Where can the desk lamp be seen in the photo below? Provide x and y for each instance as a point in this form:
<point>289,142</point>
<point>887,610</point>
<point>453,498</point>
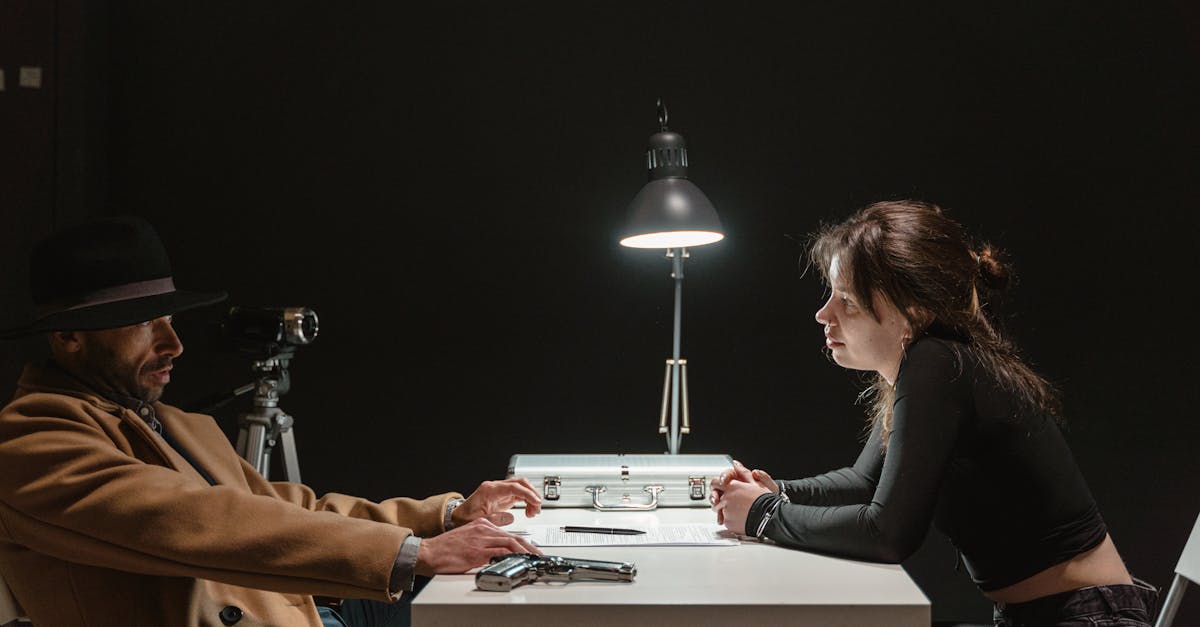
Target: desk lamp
<point>671,212</point>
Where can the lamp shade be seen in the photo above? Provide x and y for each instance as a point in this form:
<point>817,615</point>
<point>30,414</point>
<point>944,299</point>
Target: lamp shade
<point>670,211</point>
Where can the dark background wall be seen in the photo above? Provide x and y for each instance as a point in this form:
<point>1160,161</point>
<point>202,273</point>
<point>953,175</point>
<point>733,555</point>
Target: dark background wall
<point>445,184</point>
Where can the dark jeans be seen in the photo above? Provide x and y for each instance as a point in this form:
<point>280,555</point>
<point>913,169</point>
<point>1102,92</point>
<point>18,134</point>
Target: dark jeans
<point>1099,606</point>
<point>364,613</point>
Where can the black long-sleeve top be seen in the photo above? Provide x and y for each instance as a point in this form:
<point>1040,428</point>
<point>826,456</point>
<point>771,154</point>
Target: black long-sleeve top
<point>999,481</point>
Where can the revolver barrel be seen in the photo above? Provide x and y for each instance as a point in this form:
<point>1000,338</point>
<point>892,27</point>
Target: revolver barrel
<point>599,569</point>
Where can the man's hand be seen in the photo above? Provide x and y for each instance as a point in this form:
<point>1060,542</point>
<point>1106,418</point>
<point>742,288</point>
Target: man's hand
<point>493,499</point>
<point>466,547</point>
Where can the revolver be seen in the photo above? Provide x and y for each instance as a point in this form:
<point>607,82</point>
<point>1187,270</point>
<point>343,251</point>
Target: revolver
<point>506,572</point>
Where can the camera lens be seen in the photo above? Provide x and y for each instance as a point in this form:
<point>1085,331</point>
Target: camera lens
<point>299,325</point>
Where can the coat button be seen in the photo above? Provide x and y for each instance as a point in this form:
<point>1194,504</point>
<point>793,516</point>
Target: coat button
<point>231,614</point>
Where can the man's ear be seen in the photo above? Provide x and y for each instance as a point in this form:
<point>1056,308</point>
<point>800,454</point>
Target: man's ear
<point>66,341</point>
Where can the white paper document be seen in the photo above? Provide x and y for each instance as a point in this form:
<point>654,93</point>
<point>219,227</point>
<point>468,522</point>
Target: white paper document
<point>695,534</point>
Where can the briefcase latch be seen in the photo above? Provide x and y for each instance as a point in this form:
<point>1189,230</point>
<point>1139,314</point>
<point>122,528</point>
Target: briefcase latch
<point>696,488</point>
<point>550,488</point>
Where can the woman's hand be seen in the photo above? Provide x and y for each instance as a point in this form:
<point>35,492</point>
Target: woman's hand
<point>754,482</point>
<point>765,480</point>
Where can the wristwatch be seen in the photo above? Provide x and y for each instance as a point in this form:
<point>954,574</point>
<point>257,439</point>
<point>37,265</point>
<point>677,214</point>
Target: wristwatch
<point>451,505</point>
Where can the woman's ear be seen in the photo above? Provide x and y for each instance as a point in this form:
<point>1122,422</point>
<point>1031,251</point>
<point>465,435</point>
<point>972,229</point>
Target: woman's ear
<point>920,318</point>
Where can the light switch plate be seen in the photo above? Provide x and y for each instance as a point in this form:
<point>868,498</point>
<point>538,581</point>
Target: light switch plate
<point>30,77</point>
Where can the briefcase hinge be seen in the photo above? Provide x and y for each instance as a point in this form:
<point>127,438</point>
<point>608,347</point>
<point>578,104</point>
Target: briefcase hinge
<point>696,488</point>
<point>550,488</point>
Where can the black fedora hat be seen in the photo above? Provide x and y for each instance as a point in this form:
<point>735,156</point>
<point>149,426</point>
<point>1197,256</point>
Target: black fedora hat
<point>107,273</point>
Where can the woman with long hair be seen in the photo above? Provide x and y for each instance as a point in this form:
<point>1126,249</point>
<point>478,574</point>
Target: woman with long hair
<point>963,433</point>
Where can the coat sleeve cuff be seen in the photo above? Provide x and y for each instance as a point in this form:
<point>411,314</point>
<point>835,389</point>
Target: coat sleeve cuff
<point>404,567</point>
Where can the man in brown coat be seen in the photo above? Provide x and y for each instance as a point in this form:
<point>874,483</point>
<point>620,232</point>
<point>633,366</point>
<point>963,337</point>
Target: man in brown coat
<point>117,509</point>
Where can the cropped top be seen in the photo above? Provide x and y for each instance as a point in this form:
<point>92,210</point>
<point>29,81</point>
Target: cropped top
<point>964,453</point>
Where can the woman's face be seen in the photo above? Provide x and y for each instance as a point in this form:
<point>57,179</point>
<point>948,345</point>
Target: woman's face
<point>854,337</point>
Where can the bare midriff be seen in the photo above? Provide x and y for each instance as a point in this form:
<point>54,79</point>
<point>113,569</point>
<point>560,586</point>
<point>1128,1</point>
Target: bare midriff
<point>1101,566</point>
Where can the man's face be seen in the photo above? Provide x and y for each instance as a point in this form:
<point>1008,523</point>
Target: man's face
<point>133,360</point>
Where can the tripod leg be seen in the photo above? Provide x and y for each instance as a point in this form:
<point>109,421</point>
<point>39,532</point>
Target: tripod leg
<point>266,460</point>
<point>291,465</point>
<point>252,446</point>
<point>241,443</point>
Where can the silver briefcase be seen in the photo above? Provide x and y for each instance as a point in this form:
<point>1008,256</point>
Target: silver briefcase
<point>620,482</point>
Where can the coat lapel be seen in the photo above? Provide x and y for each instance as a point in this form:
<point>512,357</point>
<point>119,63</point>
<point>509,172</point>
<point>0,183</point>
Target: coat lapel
<point>205,442</point>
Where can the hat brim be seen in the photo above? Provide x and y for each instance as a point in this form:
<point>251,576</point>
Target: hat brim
<point>116,314</point>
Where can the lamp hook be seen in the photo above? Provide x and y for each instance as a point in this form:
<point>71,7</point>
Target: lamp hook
<point>662,115</point>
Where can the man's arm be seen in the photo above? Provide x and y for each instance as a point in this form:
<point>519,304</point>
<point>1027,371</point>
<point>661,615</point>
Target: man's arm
<point>425,517</point>
<point>71,488</point>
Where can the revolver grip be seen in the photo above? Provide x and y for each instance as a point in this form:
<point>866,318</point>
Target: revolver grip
<point>507,572</point>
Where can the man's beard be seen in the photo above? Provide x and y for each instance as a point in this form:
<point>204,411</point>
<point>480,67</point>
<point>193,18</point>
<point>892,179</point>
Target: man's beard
<point>106,366</point>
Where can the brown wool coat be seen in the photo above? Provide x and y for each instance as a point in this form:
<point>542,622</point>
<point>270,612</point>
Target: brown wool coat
<point>103,523</point>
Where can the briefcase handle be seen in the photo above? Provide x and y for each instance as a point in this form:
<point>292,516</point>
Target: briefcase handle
<point>597,490</point>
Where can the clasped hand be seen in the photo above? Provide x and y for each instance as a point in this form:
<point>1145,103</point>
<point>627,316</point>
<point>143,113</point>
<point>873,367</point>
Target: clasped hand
<point>734,491</point>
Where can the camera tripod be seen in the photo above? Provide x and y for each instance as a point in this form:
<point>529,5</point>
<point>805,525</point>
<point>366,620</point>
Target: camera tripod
<point>266,426</point>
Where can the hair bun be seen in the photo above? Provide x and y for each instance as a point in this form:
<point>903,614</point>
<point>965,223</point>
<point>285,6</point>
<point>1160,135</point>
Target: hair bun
<point>993,270</point>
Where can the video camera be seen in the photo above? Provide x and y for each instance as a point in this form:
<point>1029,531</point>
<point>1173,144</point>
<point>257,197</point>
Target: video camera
<point>266,332</point>
<point>269,335</point>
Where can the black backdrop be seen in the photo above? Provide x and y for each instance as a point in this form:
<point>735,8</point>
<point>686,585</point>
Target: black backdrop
<point>444,186</point>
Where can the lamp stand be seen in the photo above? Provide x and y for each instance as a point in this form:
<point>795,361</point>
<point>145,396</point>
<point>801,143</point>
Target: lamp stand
<point>675,379</point>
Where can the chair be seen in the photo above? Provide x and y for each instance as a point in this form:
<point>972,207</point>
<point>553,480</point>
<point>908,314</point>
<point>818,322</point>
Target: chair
<point>10,610</point>
<point>1187,571</point>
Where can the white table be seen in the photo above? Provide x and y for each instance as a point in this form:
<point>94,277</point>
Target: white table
<point>748,584</point>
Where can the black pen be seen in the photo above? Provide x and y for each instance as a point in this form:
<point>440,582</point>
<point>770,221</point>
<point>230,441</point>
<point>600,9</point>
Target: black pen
<point>608,530</point>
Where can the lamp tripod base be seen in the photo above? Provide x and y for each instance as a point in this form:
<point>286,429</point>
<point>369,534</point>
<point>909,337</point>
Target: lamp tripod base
<point>674,439</point>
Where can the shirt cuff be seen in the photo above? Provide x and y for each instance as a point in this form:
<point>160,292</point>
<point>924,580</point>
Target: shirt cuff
<point>451,505</point>
<point>404,567</point>
<point>761,512</point>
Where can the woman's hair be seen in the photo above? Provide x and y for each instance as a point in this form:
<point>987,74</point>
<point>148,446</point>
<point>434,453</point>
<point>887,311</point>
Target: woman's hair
<point>912,254</point>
